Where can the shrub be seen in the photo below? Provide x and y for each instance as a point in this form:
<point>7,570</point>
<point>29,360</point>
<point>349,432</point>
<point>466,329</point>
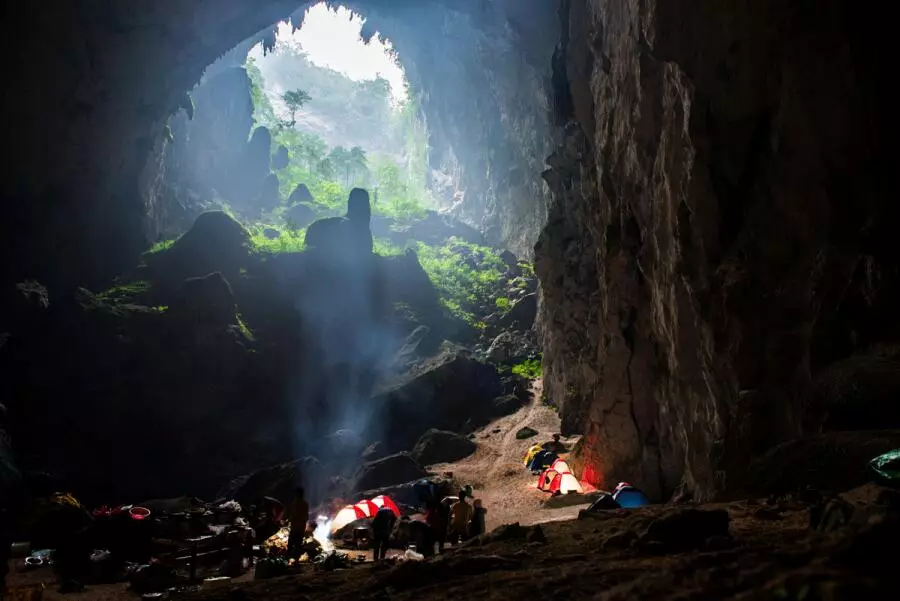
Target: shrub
<point>530,368</point>
<point>466,275</point>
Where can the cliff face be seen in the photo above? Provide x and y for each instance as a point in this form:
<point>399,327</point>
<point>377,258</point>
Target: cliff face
<point>716,199</point>
<point>485,94</point>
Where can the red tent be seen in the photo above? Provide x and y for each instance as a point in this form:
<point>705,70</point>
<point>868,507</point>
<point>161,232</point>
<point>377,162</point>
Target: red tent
<point>367,508</point>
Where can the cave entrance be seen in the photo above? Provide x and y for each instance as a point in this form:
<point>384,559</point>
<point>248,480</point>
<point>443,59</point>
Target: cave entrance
<point>280,130</point>
<point>342,113</point>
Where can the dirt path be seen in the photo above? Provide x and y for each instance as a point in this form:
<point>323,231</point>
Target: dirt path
<point>508,491</point>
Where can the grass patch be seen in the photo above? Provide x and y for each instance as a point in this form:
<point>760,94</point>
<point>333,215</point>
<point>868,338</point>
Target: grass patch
<point>124,293</point>
<point>530,368</point>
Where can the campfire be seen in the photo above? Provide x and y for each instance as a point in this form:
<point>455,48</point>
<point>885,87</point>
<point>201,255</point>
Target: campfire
<point>322,533</point>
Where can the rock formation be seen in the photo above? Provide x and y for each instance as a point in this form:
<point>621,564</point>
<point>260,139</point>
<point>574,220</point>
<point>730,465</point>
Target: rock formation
<point>716,192</point>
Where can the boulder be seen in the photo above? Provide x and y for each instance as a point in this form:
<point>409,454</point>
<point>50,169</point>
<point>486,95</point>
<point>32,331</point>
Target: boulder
<point>376,450</point>
<point>443,392</point>
<point>685,529</point>
<point>206,301</point>
<point>509,258</point>
<point>300,194</point>
<point>281,158</point>
<point>215,242</point>
<point>860,392</point>
<point>435,229</point>
<point>422,342</point>
<point>441,446</point>
<point>505,405</point>
<point>388,471</point>
<point>526,433</point>
<point>279,481</point>
<point>268,197</point>
<point>299,216</point>
<point>831,462</point>
<point>510,347</point>
<point>522,314</point>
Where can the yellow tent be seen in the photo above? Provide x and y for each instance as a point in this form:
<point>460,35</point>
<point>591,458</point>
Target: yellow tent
<point>531,453</point>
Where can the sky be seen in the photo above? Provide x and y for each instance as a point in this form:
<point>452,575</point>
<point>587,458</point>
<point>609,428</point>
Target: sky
<point>332,40</point>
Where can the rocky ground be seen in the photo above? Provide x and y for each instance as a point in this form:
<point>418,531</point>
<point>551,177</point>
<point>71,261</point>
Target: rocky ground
<point>742,550</point>
<point>786,546</point>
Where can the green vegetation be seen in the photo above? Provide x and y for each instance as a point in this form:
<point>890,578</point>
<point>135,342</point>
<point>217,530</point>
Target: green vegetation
<point>244,328</point>
<point>289,240</point>
<point>503,304</point>
<point>530,368</point>
<point>294,99</point>
<point>394,163</point>
<point>160,246</point>
<point>467,276</point>
<point>123,293</point>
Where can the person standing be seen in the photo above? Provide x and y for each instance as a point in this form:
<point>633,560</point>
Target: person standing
<point>299,521</point>
<point>436,517</point>
<point>476,526</point>
<point>382,526</point>
<point>460,516</point>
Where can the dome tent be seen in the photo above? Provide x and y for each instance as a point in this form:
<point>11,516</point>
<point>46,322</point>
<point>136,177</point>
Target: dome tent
<point>554,482</point>
<point>367,508</point>
<point>629,497</point>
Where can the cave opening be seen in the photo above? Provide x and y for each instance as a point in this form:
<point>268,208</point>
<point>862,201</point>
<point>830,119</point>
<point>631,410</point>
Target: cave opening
<point>221,306</point>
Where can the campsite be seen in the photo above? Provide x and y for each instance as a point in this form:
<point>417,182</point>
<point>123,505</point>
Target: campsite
<point>543,521</point>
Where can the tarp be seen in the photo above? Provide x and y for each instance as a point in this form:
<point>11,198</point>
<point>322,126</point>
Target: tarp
<point>603,502</point>
<point>530,453</point>
<point>367,508</point>
<point>542,460</point>
<point>887,468</point>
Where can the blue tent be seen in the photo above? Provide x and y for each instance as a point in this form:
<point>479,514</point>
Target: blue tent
<point>630,497</point>
<point>426,491</point>
<point>542,460</point>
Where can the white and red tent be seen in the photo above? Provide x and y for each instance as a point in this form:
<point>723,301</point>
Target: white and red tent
<point>559,478</point>
<point>367,508</point>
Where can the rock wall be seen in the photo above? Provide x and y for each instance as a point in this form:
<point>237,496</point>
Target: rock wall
<point>719,187</point>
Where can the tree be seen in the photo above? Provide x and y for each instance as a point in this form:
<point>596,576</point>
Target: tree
<point>340,158</point>
<point>295,99</point>
<point>356,159</point>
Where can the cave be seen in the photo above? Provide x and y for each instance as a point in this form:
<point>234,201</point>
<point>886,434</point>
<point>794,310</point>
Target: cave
<point>703,189</point>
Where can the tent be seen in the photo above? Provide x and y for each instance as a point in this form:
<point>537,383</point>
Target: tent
<point>553,481</point>
<point>629,497</point>
<point>367,508</point>
<point>560,466</point>
<point>529,455</point>
<point>542,460</point>
<point>426,490</point>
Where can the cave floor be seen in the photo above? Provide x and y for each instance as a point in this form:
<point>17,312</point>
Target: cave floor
<point>767,550</point>
<point>495,470</point>
<point>774,555</point>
